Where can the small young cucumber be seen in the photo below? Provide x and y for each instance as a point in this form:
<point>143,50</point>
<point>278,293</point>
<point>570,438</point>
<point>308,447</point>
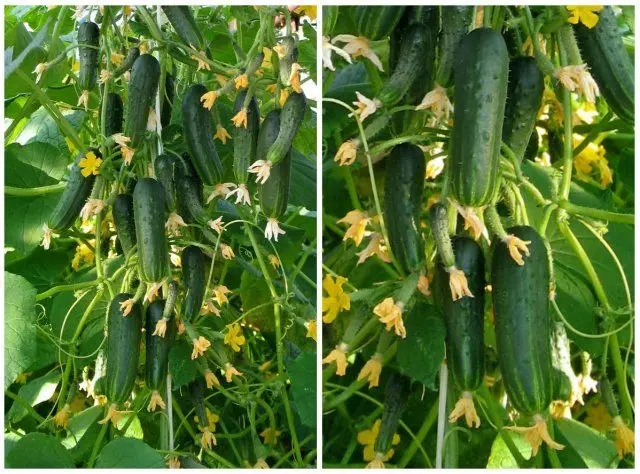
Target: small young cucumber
<point>439,225</point>
<point>157,347</point>
<point>184,24</point>
<point>124,221</point>
<point>88,54</point>
<point>403,189</point>
<point>124,334</point>
<point>141,95</point>
<point>115,114</point>
<point>481,74</point>
<point>245,139</point>
<point>376,22</point>
<point>286,61</point>
<point>149,215</point>
<point>396,395</point>
<point>197,126</point>
<point>193,280</point>
<point>274,194</point>
<point>127,62</point>
<point>291,118</point>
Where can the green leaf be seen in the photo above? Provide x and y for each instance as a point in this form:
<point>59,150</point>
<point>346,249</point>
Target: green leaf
<point>83,432</point>
<point>134,430</point>
<point>38,451</point>
<point>42,128</point>
<point>255,297</point>
<point>183,370</point>
<point>42,277</point>
<point>129,453</point>
<point>422,351</point>
<point>19,326</point>
<point>588,445</point>
<point>501,457</point>
<point>34,392</point>
<point>303,180</point>
<point>302,372</point>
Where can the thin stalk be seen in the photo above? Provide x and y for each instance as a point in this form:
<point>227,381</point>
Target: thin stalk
<point>40,191</point>
<point>596,213</point>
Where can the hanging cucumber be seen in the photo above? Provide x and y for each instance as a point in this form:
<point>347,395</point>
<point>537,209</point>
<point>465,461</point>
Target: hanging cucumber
<point>88,55</point>
<point>245,139</point>
<point>149,215</point>
<point>124,221</point>
<point>289,56</point>
<point>377,22</point>
<point>198,133</point>
<point>524,97</point>
<point>189,199</point>
<point>481,74</point>
<point>396,395</point>
<point>274,194</point>
<point>194,281</point>
<point>184,24</point>
<point>456,21</point>
<point>157,351</point>
<point>141,96</point>
<point>291,118</point>
<point>403,189</point>
<point>127,62</point>
<point>114,115</point>
<point>164,167</point>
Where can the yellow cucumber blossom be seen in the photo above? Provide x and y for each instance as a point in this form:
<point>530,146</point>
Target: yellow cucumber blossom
<point>274,261</point>
<point>272,229</point>
<point>371,370</point>
<point>270,436</point>
<point>220,189</point>
<point>336,299</point>
<point>112,415</point>
<point>209,307</point>
<point>234,337</point>
<point>127,152</point>
<point>537,434</point>
<point>365,106</point>
<point>284,95</point>
<point>155,401</point>
<point>220,293</point>
<point>262,170</point>
<point>390,314</point>
<point>458,284</point>
<point>241,82</point>
<point>367,438</point>
<point>173,462</point>
<point>465,407</point>
<point>200,57</point>
<point>216,225</point>
<point>347,152</point>
<point>339,356</point>
<point>312,329</point>
<point>40,69</point>
<point>61,419</point>
<point>438,102</point>
<point>152,291</point>
<point>90,164</point>
<point>328,49</point>
<point>161,328</point>
<point>116,59</point>
<point>211,379</point>
<point>242,194</point>
<point>208,99</point>
<point>294,78</point>
<point>261,464</point>
<point>200,346</point>
<point>83,100</point>
<point>221,134</point>
<point>423,285</point>
<point>92,207</point>
<point>126,306</point>
<point>230,371</point>
<point>625,438</point>
<point>516,246</point>
<point>208,439</point>
<point>357,221</point>
<point>227,252</point>
<point>585,14</point>
<point>578,79</point>
<point>174,222</point>
<point>47,235</point>
<point>375,247</point>
<point>435,166</point>
<point>240,119</point>
<point>357,46</point>
<point>104,76</point>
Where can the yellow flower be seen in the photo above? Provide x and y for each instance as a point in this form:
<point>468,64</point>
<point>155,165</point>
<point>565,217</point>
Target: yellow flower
<point>90,164</point>
<point>309,10</point>
<point>200,57</point>
<point>221,134</point>
<point>234,337</point>
<point>212,419</point>
<point>435,167</point>
<point>83,256</point>
<point>590,158</point>
<point>598,416</point>
<point>515,246</point>
<point>240,119</point>
<point>284,95</point>
<point>357,46</point>
<point>230,371</point>
<point>423,285</point>
<point>585,14</point>
<point>365,106</point>
<point>173,462</point>
<point>336,301</point>
<point>83,100</point>
<point>312,329</point>
<point>270,436</point>
<point>371,370</point>
<point>339,356</point>
<point>211,379</point>
<point>376,247</point>
<point>358,221</point>
<point>200,346</point>
<point>367,438</point>
<point>216,225</point>
<point>458,284</point>
<point>347,152</point>
<point>261,464</point>
<point>61,419</point>
<point>274,261</point>
<point>625,439</point>
<point>241,82</point>
<point>465,407</point>
<point>390,314</point>
<point>152,291</point>
<point>117,58</point>
<point>536,434</point>
<point>262,170</point>
<point>104,76</point>
<point>294,78</point>
<point>155,401</point>
<point>40,69</point>
<point>222,80</point>
<point>208,99</point>
<point>437,101</point>
<point>577,78</point>
<point>220,293</point>
<point>208,440</point>
<point>227,252</point>
<point>112,415</point>
<point>161,328</point>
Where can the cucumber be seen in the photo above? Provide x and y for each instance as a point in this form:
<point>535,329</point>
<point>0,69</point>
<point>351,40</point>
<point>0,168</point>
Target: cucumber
<point>330,15</point>
<point>149,216</point>
<point>194,281</point>
<point>127,62</point>
<point>524,97</point>
<point>456,21</point>
<point>141,96</point>
<point>124,221</point>
<point>164,167</point>
<point>74,196</point>
<point>396,394</point>
<point>376,22</point>
<point>522,322</point>
<point>439,225</point>
<point>198,133</point>
<point>415,59</point>
<point>88,56</point>
<point>245,139</point>
<point>274,194</point>
<point>167,104</point>
<point>157,348</point>
<point>290,57</point>
<point>184,24</point>
<point>403,189</point>
<point>115,114</point>
<point>464,318</point>
<point>123,349</point>
<point>607,396</point>
<point>561,386</point>
<point>609,62</point>
<point>189,200</point>
<point>290,119</point>
<point>481,74</point>
<point>196,392</point>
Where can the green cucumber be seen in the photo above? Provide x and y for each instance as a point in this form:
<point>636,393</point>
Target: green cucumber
<point>194,281</point>
<point>456,21</point>
<point>607,396</point>
<point>561,386</point>
<point>464,318</point>
<point>184,24</point>
<point>403,189</point>
<point>522,322</point>
<point>157,348</point>
<point>164,167</point>
<point>74,196</point>
<point>123,349</point>
<point>167,104</point>
<point>286,62</point>
<point>377,22</point>
<point>196,392</point>
<point>291,118</point>
<point>439,225</point>
<point>149,215</point>
<point>329,19</point>
<point>274,194</point>
<point>415,58</point>
<point>88,56</point>
<point>609,62</point>
<point>481,74</point>
<point>141,96</point>
<point>245,139</point>
<point>198,133</point>
<point>124,221</point>
<point>189,200</point>
<point>115,114</point>
<point>524,97</point>
<point>396,394</point>
<point>127,62</point>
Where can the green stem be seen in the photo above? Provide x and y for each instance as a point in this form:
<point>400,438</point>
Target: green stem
<point>61,288</point>
<point>21,401</point>
<point>567,160</point>
<point>426,426</point>
<point>41,191</point>
<point>596,213</point>
<point>96,446</point>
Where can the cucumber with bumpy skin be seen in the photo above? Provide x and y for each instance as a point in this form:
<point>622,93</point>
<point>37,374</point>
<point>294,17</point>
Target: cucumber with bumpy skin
<point>164,168</point>
<point>141,96</point>
<point>157,347</point>
<point>193,280</point>
<point>456,21</point>
<point>396,394</point>
<point>89,35</point>
<point>377,22</point>
<point>274,194</point>
<point>124,221</point>
<point>127,62</point>
<point>149,214</point>
<point>245,138</point>
<point>115,114</point>
<point>291,118</point>
<point>184,24</point>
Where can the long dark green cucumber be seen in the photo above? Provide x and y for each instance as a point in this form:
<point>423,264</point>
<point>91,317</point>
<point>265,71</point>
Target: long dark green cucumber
<point>609,62</point>
<point>157,348</point>
<point>127,62</point>
<point>396,395</point>
<point>149,214</point>
<point>403,189</point>
<point>522,322</point>
<point>196,392</point>
<point>193,280</point>
<point>88,34</point>
<point>274,194</point>
<point>290,56</point>
<point>74,196</point>
<point>123,349</point>
<point>377,22</point>
<point>524,97</point>
<point>115,114</point>
<point>464,318</point>
<point>481,74</point>
<point>141,95</point>
<point>122,211</point>
<point>456,21</point>
<point>198,133</point>
<point>189,201</point>
<point>184,24</point>
<point>291,118</point>
<point>245,139</point>
<point>164,167</point>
